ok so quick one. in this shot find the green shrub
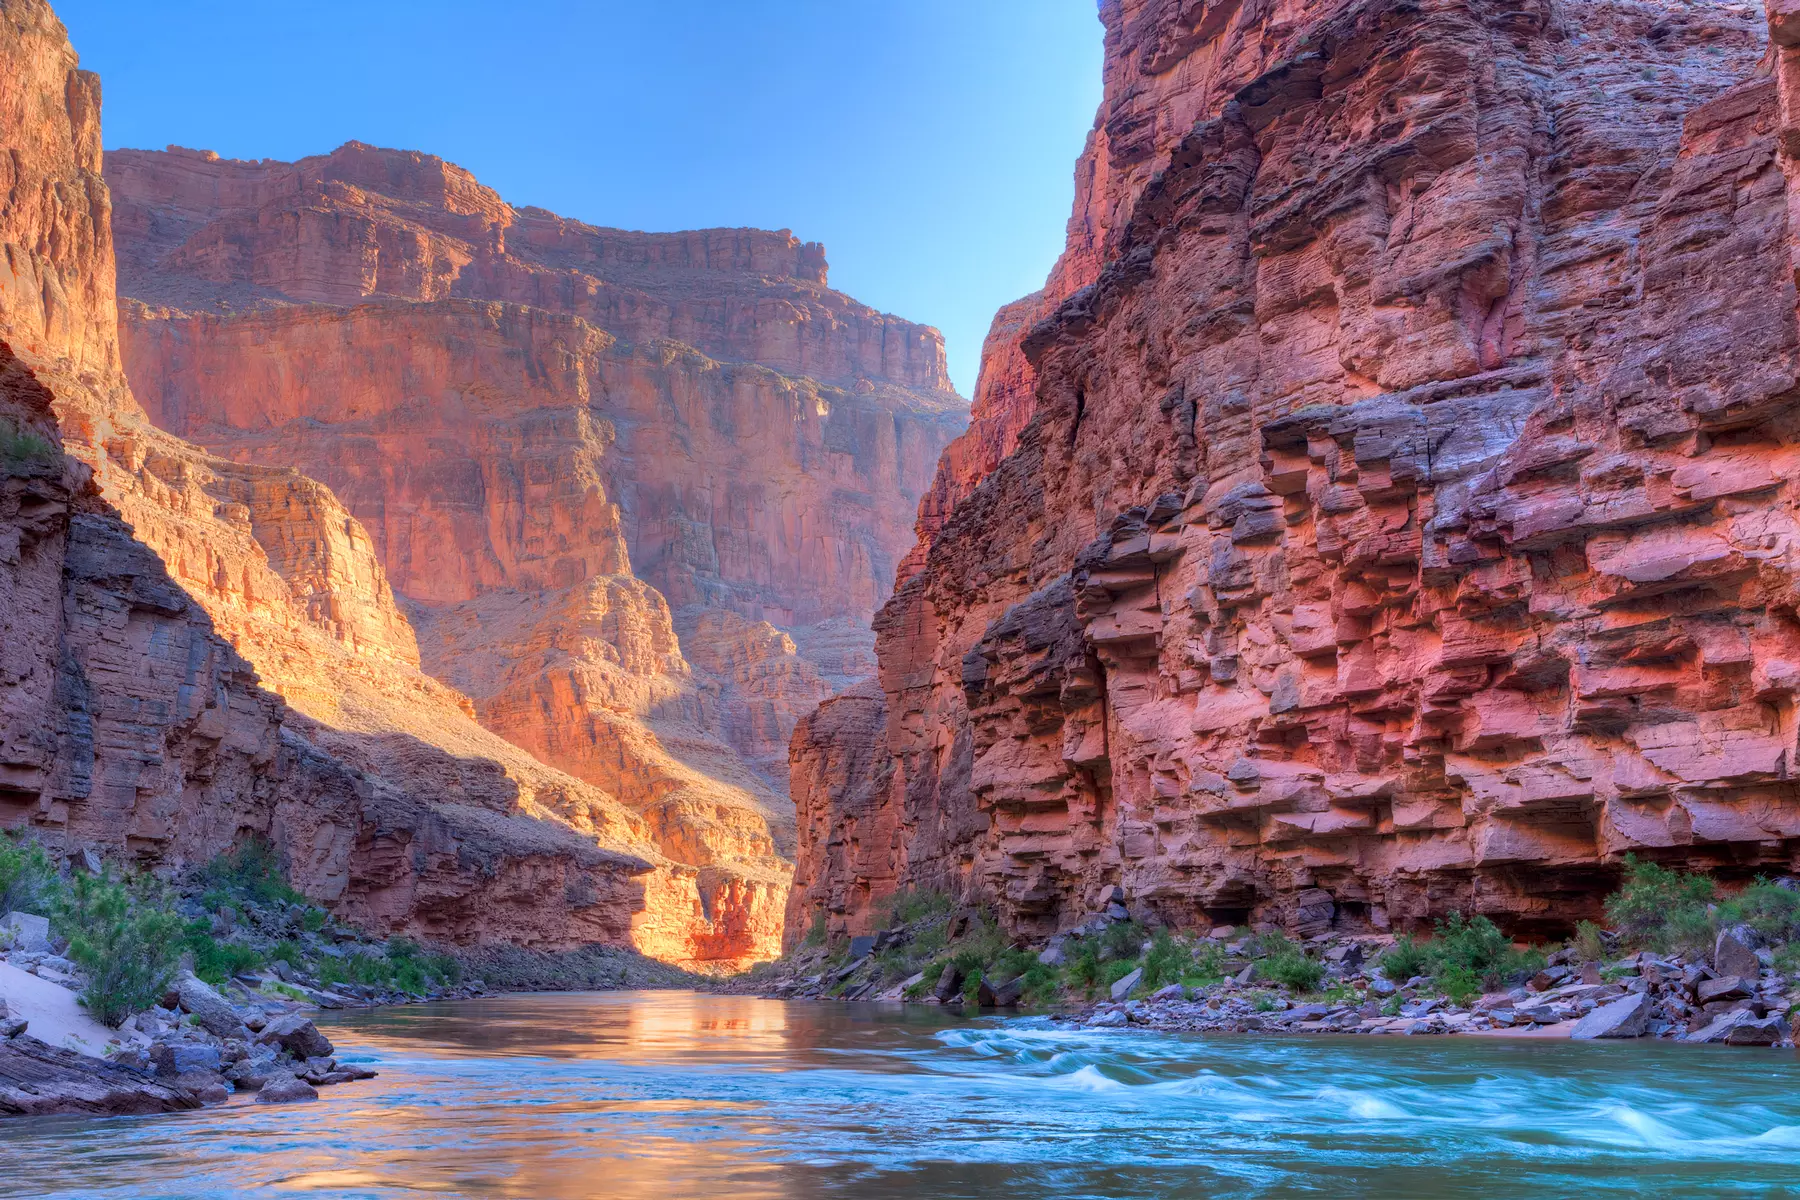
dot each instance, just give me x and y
(313, 919)
(1165, 961)
(249, 873)
(1115, 971)
(1659, 908)
(1587, 943)
(1042, 985)
(1206, 967)
(815, 933)
(216, 961)
(1406, 959)
(971, 989)
(1460, 984)
(1772, 911)
(1476, 946)
(21, 448)
(1289, 965)
(1084, 967)
(288, 951)
(1123, 940)
(447, 968)
(1787, 959)
(127, 946)
(28, 879)
(913, 904)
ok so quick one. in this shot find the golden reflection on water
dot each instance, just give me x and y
(507, 1140)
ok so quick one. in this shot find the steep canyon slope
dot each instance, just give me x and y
(195, 650)
(1387, 508)
(638, 493)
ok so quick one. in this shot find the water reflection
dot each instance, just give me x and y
(672, 1095)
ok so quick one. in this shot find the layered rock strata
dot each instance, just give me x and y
(151, 590)
(535, 419)
(1403, 520)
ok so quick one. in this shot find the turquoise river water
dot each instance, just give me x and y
(670, 1094)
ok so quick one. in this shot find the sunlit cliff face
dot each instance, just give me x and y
(1383, 510)
(465, 603)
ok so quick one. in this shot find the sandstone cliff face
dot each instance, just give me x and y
(141, 578)
(1403, 521)
(558, 437)
(764, 436)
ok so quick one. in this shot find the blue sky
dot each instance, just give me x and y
(929, 144)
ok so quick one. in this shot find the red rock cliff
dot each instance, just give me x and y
(150, 593)
(1403, 521)
(535, 419)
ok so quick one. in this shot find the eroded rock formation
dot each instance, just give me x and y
(151, 594)
(558, 437)
(1400, 519)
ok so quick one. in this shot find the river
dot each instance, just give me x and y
(664, 1095)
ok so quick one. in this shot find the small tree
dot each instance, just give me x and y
(128, 950)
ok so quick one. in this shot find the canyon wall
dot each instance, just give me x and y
(638, 493)
(1390, 510)
(195, 650)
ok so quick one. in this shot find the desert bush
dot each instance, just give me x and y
(127, 945)
(1774, 912)
(28, 879)
(1406, 959)
(1166, 961)
(1288, 964)
(1207, 966)
(913, 904)
(1084, 968)
(1587, 942)
(249, 873)
(1661, 909)
(217, 961)
(20, 448)
(1122, 940)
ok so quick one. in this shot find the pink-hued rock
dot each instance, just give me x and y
(154, 599)
(1402, 513)
(559, 436)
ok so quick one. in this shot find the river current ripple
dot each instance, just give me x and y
(672, 1094)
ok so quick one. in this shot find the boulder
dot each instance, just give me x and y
(1720, 1028)
(861, 947)
(37, 1080)
(297, 1035)
(1122, 988)
(1729, 987)
(1173, 991)
(1627, 1017)
(1734, 952)
(1008, 994)
(206, 1086)
(285, 1089)
(28, 932)
(210, 1010)
(1111, 1019)
(949, 984)
(1758, 1031)
(174, 1059)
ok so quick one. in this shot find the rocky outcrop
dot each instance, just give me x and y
(196, 650)
(1401, 522)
